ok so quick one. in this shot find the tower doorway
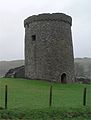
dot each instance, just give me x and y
(63, 78)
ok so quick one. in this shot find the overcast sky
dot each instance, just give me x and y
(13, 13)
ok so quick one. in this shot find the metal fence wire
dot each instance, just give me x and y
(42, 95)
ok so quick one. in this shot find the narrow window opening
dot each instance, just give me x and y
(33, 37)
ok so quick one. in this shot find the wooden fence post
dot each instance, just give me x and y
(84, 96)
(50, 96)
(6, 96)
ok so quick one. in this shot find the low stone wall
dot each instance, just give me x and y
(18, 72)
(83, 80)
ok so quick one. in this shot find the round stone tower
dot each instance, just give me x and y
(48, 48)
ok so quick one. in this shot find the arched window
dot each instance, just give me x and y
(63, 78)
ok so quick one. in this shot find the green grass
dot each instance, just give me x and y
(47, 114)
(30, 98)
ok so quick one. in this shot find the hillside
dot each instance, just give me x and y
(85, 62)
(6, 65)
(82, 66)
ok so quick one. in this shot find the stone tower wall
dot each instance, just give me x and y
(48, 47)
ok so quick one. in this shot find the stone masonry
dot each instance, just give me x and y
(48, 48)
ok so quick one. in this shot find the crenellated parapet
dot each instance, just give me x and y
(48, 17)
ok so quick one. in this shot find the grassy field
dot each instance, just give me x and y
(30, 99)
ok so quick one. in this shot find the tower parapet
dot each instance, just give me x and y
(48, 17)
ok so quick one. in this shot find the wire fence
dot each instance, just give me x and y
(42, 96)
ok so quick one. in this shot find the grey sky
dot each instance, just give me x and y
(13, 13)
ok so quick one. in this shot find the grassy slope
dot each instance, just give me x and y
(26, 95)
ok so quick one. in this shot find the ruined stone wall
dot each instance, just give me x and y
(48, 47)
